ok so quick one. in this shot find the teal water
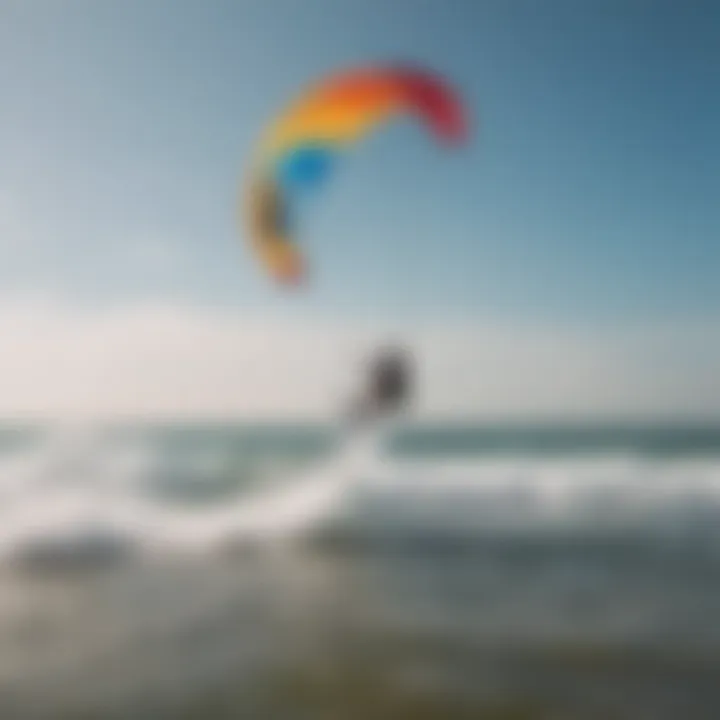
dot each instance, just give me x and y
(450, 438)
(498, 572)
(650, 440)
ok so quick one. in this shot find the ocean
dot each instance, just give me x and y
(244, 571)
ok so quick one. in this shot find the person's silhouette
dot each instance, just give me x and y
(389, 385)
(390, 380)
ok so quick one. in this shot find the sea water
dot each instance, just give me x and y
(226, 571)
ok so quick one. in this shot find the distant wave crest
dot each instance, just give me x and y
(79, 495)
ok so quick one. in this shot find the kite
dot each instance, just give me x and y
(298, 150)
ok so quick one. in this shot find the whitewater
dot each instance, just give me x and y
(81, 492)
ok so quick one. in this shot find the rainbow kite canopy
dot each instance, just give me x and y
(297, 151)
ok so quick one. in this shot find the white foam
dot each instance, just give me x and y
(85, 489)
(521, 491)
(81, 486)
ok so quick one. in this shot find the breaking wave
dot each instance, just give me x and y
(81, 493)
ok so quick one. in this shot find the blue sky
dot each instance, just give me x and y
(564, 263)
(589, 192)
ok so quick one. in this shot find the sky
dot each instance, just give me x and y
(565, 261)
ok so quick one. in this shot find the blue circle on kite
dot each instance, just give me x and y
(305, 167)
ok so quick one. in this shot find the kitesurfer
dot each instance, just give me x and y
(390, 380)
(388, 386)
